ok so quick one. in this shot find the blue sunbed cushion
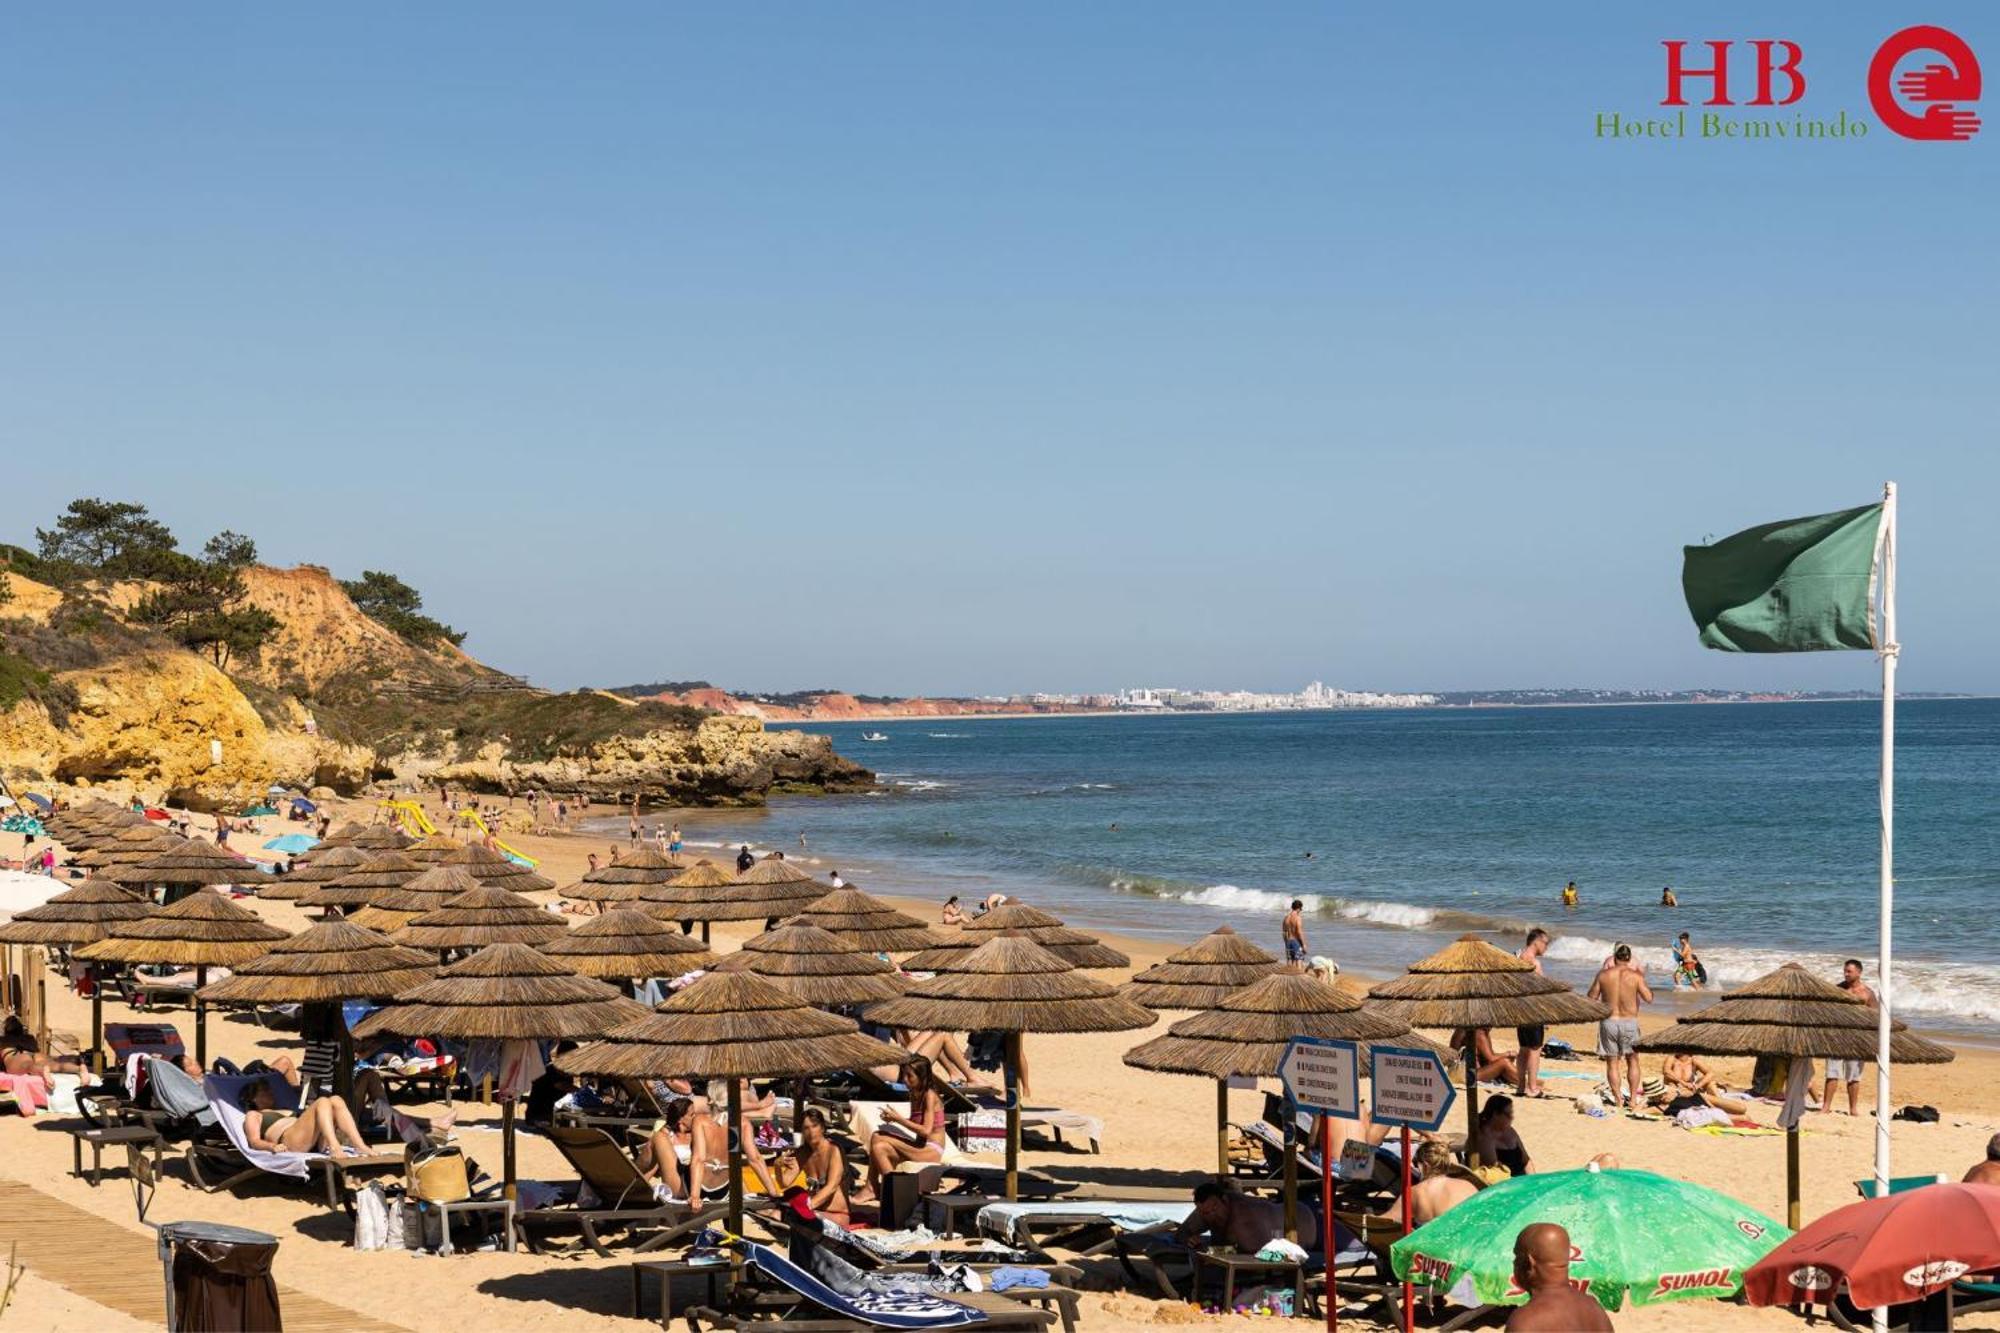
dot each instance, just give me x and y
(884, 1309)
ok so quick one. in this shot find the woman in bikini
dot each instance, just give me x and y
(916, 1137)
(322, 1125)
(825, 1170)
(20, 1053)
(689, 1154)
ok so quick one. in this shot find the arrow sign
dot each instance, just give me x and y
(1411, 1088)
(1322, 1075)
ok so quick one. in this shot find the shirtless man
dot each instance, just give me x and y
(1532, 1038)
(1988, 1171)
(1623, 987)
(1224, 1218)
(1294, 931)
(1848, 1071)
(1541, 1265)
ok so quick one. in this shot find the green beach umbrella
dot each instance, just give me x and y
(1635, 1237)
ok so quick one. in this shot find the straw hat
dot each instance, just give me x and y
(1011, 984)
(480, 917)
(731, 1025)
(326, 866)
(203, 929)
(80, 915)
(1471, 984)
(391, 909)
(1791, 1012)
(815, 966)
(868, 923)
(1202, 975)
(627, 943)
(1245, 1035)
(505, 992)
(333, 960)
(382, 871)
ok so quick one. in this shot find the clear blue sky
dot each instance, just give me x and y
(917, 347)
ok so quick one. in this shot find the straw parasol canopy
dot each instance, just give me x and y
(1244, 1036)
(816, 966)
(329, 961)
(381, 838)
(137, 843)
(481, 917)
(868, 923)
(1202, 975)
(196, 862)
(696, 884)
(1011, 985)
(623, 880)
(769, 891)
(1472, 984)
(343, 836)
(490, 867)
(734, 1026)
(1044, 928)
(506, 992)
(625, 943)
(1792, 1014)
(357, 887)
(434, 848)
(325, 867)
(84, 914)
(392, 909)
(201, 931)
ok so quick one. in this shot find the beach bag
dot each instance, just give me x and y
(436, 1175)
(371, 1219)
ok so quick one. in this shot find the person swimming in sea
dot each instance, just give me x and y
(1569, 897)
(1667, 898)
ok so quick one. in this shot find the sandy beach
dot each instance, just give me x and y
(1158, 1130)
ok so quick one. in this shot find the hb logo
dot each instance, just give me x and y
(1941, 85)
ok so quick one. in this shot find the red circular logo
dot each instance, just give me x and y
(1935, 92)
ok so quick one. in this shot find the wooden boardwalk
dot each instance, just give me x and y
(106, 1263)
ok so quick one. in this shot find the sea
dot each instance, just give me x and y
(1402, 829)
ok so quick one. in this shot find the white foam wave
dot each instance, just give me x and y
(1232, 898)
(1960, 992)
(1401, 915)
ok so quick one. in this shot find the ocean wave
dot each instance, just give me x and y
(1960, 992)
(1402, 915)
(949, 735)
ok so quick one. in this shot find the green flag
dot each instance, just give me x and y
(1798, 586)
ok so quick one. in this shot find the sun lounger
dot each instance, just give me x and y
(225, 1158)
(801, 1302)
(622, 1198)
(1086, 1226)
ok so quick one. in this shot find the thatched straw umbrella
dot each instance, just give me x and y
(1245, 1036)
(733, 1026)
(392, 909)
(490, 867)
(434, 848)
(193, 865)
(382, 838)
(686, 894)
(1202, 975)
(818, 967)
(868, 923)
(325, 964)
(201, 931)
(325, 867)
(623, 880)
(1011, 985)
(382, 871)
(140, 842)
(342, 836)
(76, 916)
(1792, 1014)
(481, 917)
(505, 992)
(1471, 984)
(1046, 929)
(627, 944)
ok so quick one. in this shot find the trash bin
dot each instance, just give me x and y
(219, 1278)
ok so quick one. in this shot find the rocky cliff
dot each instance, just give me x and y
(337, 700)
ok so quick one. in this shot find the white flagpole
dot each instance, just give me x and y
(1884, 985)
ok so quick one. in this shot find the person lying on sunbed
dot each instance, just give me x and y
(1438, 1188)
(20, 1053)
(942, 1050)
(324, 1124)
(916, 1137)
(1225, 1219)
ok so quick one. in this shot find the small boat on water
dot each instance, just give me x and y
(873, 736)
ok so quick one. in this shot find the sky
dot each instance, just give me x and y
(909, 348)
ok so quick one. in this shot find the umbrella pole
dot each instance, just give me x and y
(1291, 1174)
(1013, 1064)
(200, 1018)
(735, 1157)
(1472, 1102)
(1222, 1129)
(507, 1147)
(343, 1060)
(1792, 1177)
(97, 1026)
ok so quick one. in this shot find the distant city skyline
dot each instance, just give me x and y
(935, 350)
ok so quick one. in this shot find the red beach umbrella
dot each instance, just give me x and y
(1900, 1248)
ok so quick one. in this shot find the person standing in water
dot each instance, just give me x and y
(1569, 898)
(1294, 931)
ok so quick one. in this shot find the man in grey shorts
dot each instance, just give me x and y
(1848, 1071)
(1622, 987)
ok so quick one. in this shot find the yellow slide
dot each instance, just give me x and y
(411, 816)
(472, 817)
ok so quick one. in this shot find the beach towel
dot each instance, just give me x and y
(883, 1307)
(1741, 1130)
(1006, 1219)
(174, 1090)
(294, 1164)
(31, 1093)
